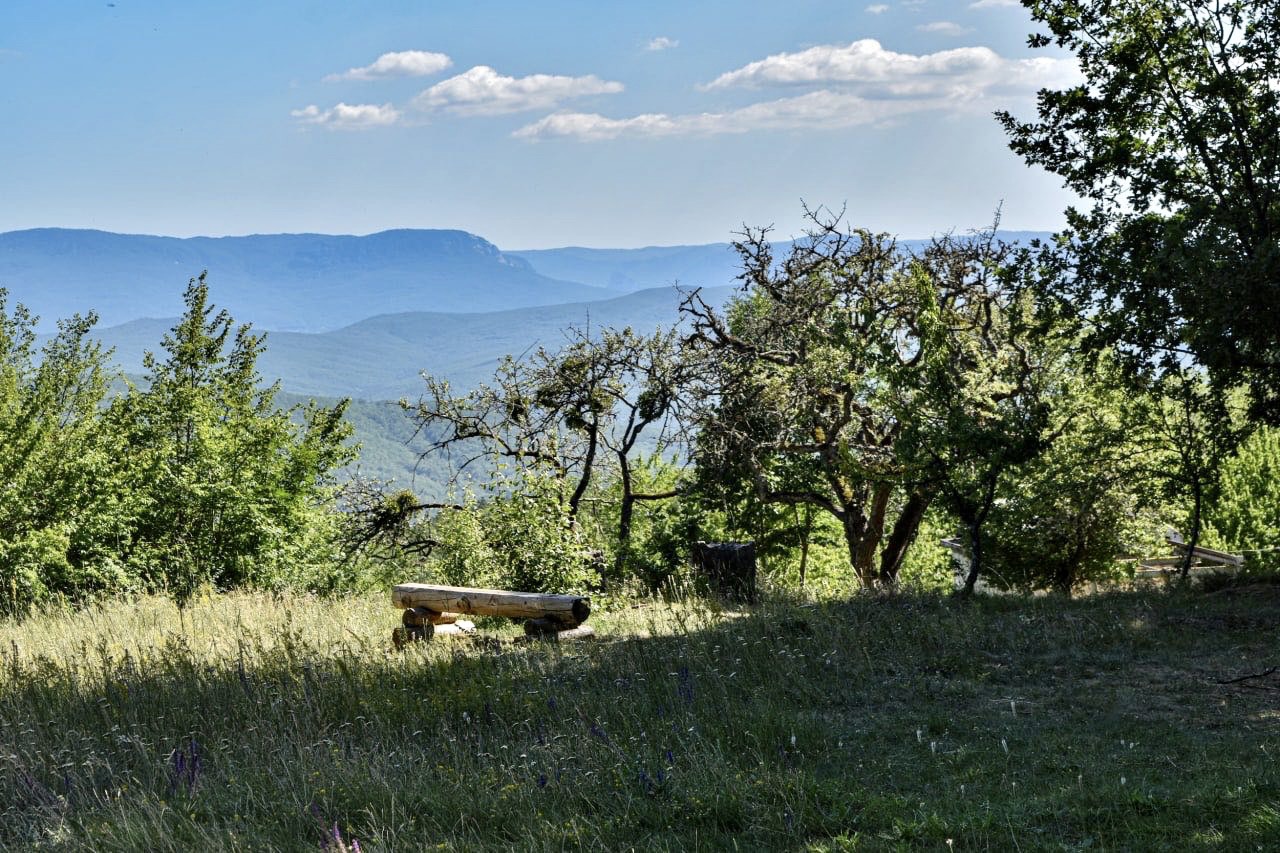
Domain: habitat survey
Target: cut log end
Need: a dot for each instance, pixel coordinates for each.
(425, 616)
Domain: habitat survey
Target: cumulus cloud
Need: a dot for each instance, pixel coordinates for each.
(993, 4)
(867, 68)
(856, 84)
(404, 63)
(483, 91)
(946, 28)
(821, 109)
(349, 116)
(878, 8)
(661, 43)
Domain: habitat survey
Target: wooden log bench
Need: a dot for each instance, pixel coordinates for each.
(431, 610)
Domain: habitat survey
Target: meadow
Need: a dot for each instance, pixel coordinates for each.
(1142, 719)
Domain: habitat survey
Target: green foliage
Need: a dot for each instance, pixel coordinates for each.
(61, 516)
(225, 483)
(1246, 516)
(928, 565)
(1171, 138)
(519, 537)
(656, 553)
(1063, 517)
(195, 478)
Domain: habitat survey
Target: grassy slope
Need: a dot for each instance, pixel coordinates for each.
(898, 723)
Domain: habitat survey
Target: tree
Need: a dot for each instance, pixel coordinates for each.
(862, 381)
(1196, 429)
(1173, 138)
(60, 507)
(983, 393)
(1063, 516)
(573, 414)
(514, 420)
(618, 387)
(1246, 518)
(793, 399)
(225, 483)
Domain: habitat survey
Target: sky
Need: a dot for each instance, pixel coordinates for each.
(560, 122)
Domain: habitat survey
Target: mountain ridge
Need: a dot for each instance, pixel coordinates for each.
(285, 281)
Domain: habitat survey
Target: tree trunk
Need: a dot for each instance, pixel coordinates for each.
(1064, 579)
(585, 479)
(854, 525)
(865, 555)
(903, 534)
(804, 543)
(624, 514)
(975, 556)
(1197, 501)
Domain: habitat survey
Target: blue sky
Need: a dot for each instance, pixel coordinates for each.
(533, 124)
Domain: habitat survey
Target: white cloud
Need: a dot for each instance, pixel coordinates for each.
(349, 116)
(878, 8)
(404, 63)
(483, 91)
(994, 4)
(865, 67)
(661, 43)
(946, 28)
(856, 84)
(822, 109)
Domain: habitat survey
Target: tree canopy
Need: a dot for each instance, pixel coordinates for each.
(1172, 138)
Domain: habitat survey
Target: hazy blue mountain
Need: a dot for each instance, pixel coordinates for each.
(306, 282)
(709, 265)
(381, 357)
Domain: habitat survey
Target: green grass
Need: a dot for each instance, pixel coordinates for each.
(899, 723)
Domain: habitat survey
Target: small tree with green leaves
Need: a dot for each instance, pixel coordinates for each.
(225, 483)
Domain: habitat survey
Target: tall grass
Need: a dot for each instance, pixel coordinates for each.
(256, 723)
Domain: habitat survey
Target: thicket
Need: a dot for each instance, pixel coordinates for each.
(193, 477)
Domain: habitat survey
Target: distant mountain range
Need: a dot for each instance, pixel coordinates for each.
(299, 282)
(638, 269)
(380, 358)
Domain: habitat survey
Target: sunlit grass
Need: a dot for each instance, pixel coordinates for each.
(251, 722)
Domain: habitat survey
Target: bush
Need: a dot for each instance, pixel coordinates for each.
(1246, 516)
(519, 538)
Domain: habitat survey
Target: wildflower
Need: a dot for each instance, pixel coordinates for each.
(685, 686)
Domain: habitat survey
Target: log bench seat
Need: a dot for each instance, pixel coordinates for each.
(431, 609)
